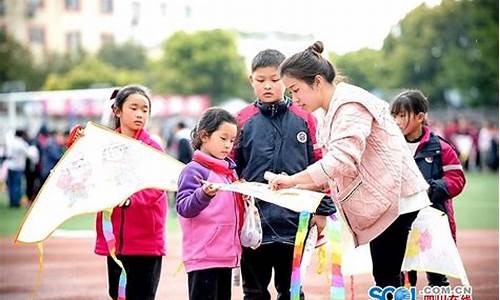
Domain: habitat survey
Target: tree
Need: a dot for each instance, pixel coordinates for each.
(453, 46)
(362, 67)
(203, 62)
(127, 55)
(16, 62)
(449, 48)
(92, 72)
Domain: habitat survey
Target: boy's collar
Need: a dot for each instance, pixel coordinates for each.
(273, 108)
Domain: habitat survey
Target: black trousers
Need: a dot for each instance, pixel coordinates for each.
(257, 266)
(143, 275)
(388, 250)
(210, 284)
(433, 279)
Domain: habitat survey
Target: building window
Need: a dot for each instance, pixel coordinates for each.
(187, 11)
(107, 6)
(32, 6)
(37, 35)
(2, 7)
(72, 4)
(163, 9)
(73, 42)
(107, 38)
(136, 12)
(35, 3)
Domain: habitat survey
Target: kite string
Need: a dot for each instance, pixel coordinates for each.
(107, 227)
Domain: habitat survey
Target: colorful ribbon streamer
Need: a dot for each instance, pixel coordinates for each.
(107, 228)
(297, 255)
(337, 291)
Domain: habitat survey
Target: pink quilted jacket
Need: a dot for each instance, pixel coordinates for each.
(365, 161)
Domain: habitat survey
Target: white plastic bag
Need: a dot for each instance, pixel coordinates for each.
(251, 233)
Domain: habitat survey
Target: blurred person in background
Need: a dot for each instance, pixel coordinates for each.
(492, 159)
(182, 143)
(157, 136)
(30, 171)
(18, 150)
(463, 137)
(41, 140)
(50, 154)
(437, 126)
(485, 144)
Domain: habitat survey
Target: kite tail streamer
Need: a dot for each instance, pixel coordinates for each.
(337, 291)
(322, 259)
(107, 228)
(179, 268)
(297, 255)
(40, 269)
(407, 280)
(352, 286)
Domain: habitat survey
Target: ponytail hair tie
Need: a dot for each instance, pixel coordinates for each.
(113, 95)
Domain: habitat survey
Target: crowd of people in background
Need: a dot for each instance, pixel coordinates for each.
(29, 160)
(477, 144)
(26, 163)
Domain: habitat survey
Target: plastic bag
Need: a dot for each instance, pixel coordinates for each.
(251, 232)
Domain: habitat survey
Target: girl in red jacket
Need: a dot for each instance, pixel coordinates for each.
(138, 224)
(435, 158)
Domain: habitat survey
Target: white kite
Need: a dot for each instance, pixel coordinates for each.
(297, 200)
(101, 170)
(430, 247)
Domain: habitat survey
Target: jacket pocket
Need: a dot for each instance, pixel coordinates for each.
(222, 243)
(361, 208)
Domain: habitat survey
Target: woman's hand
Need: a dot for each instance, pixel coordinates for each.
(281, 181)
(319, 221)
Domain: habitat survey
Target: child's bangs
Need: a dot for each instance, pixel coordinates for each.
(401, 105)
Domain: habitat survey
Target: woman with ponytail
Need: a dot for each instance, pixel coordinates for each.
(377, 187)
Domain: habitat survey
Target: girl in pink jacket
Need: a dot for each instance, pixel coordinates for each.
(139, 224)
(210, 219)
(377, 187)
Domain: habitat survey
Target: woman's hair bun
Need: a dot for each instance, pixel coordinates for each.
(316, 47)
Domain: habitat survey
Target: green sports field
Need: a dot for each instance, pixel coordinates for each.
(475, 208)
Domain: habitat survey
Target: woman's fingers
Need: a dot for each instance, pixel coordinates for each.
(279, 182)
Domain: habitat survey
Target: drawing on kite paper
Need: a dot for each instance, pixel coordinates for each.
(260, 188)
(117, 158)
(74, 179)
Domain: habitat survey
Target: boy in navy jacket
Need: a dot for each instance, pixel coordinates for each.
(277, 136)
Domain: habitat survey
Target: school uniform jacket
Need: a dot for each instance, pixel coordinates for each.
(278, 137)
(442, 170)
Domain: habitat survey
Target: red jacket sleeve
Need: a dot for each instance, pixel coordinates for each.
(453, 174)
(72, 135)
